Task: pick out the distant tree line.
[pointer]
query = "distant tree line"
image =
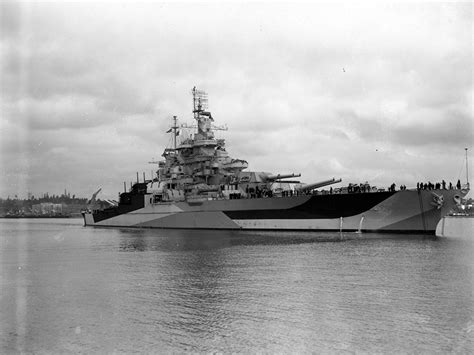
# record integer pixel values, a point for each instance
(15, 204)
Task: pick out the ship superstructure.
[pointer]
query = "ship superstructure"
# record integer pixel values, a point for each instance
(199, 185)
(200, 164)
(200, 167)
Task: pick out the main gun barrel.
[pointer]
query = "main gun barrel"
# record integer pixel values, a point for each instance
(281, 176)
(318, 184)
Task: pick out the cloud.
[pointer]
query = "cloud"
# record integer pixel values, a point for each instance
(10, 19)
(454, 128)
(362, 91)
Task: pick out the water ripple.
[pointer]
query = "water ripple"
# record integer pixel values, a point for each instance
(66, 288)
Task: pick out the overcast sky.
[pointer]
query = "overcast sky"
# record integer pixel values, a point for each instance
(376, 92)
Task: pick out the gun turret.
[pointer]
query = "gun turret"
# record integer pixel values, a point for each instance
(279, 176)
(317, 184)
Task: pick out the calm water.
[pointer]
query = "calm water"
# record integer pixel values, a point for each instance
(66, 288)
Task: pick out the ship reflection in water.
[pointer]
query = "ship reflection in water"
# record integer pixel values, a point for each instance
(66, 288)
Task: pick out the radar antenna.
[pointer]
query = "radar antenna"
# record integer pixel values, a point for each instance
(202, 116)
(214, 127)
(200, 102)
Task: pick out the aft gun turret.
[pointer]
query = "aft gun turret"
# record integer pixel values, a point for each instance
(316, 185)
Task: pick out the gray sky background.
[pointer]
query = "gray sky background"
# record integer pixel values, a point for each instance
(376, 92)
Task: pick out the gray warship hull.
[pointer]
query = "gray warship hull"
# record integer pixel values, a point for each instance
(199, 185)
(417, 211)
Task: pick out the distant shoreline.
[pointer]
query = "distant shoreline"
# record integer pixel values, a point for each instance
(42, 217)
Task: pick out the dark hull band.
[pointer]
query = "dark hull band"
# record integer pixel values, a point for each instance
(135, 203)
(318, 207)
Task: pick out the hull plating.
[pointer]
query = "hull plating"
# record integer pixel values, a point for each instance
(403, 211)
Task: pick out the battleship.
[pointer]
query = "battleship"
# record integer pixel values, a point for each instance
(198, 185)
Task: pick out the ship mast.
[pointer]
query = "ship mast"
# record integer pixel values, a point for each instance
(467, 170)
(175, 131)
